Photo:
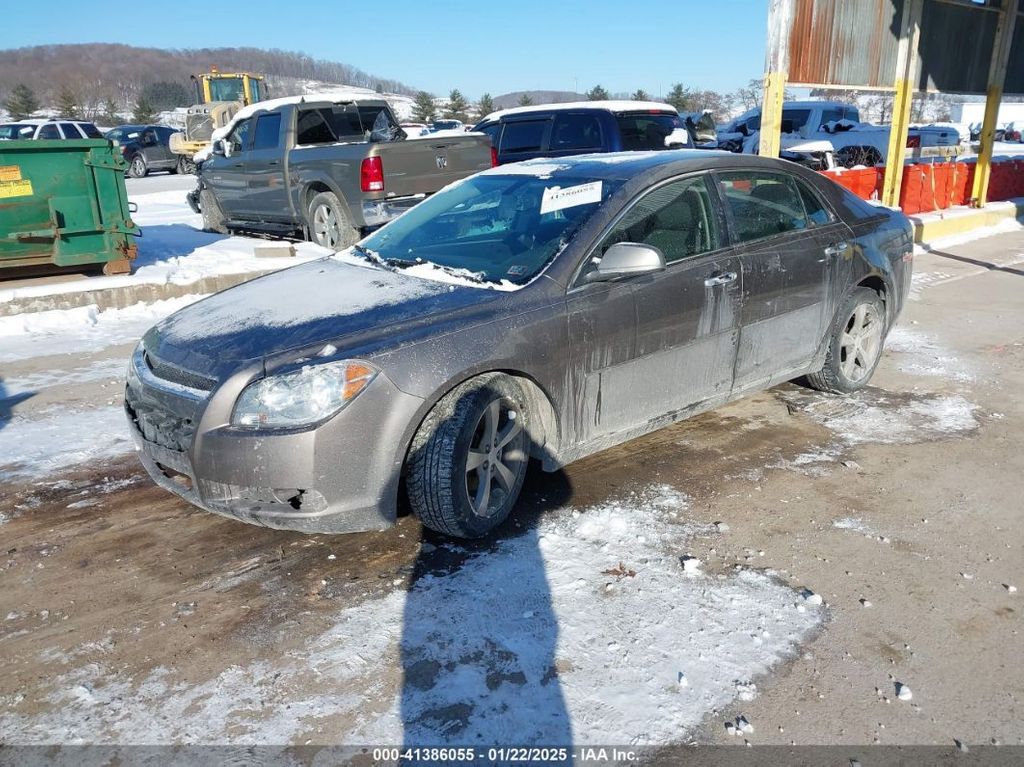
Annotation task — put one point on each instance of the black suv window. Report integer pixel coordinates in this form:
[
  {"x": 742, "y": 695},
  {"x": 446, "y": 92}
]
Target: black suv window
[
  {"x": 579, "y": 131},
  {"x": 794, "y": 119},
  {"x": 268, "y": 130},
  {"x": 49, "y": 131},
  {"x": 763, "y": 204},
  {"x": 678, "y": 219},
  {"x": 90, "y": 130},
  {"x": 642, "y": 131},
  {"x": 524, "y": 135}
]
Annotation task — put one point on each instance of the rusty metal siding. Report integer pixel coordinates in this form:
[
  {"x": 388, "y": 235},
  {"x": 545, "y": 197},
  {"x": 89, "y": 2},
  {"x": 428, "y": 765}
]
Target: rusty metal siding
[
  {"x": 854, "y": 43},
  {"x": 844, "y": 42}
]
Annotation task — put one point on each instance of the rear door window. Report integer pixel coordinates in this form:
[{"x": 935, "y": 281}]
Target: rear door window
[
  {"x": 90, "y": 130},
  {"x": 268, "y": 131},
  {"x": 70, "y": 130},
  {"x": 646, "y": 131},
  {"x": 524, "y": 135},
  {"x": 575, "y": 132},
  {"x": 794, "y": 119},
  {"x": 327, "y": 125},
  {"x": 49, "y": 131},
  {"x": 762, "y": 204}
]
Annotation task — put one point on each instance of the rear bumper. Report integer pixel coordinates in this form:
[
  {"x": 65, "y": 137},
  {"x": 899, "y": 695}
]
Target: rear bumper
[
  {"x": 341, "y": 476},
  {"x": 378, "y": 212}
]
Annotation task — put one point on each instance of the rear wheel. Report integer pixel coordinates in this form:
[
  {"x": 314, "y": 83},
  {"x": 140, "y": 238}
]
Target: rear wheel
[
  {"x": 137, "y": 166},
  {"x": 855, "y": 345},
  {"x": 329, "y": 225},
  {"x": 468, "y": 460}
]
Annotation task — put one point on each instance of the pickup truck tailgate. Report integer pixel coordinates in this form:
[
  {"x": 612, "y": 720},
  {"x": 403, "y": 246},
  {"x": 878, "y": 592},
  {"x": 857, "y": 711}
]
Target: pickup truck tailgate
[{"x": 425, "y": 165}]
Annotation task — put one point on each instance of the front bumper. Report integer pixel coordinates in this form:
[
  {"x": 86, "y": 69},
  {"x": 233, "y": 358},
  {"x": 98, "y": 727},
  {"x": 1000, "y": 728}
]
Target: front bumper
[{"x": 341, "y": 476}]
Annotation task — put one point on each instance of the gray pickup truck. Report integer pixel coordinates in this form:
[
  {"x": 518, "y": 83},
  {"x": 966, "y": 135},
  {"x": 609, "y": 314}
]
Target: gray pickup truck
[{"x": 328, "y": 169}]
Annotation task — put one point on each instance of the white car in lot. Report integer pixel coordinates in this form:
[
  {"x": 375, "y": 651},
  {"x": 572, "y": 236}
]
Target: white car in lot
[
  {"x": 812, "y": 130},
  {"x": 48, "y": 129}
]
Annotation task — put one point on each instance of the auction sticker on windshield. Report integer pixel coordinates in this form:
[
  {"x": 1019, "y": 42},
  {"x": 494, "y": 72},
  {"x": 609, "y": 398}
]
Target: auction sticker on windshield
[{"x": 556, "y": 198}]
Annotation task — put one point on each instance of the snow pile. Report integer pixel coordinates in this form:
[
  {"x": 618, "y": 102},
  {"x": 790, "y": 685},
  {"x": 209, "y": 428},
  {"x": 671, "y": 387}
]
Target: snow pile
[
  {"x": 920, "y": 354},
  {"x": 542, "y": 639}
]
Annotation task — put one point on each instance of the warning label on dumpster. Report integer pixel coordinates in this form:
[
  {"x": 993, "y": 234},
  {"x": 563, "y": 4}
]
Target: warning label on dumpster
[
  {"x": 10, "y": 173},
  {"x": 15, "y": 189}
]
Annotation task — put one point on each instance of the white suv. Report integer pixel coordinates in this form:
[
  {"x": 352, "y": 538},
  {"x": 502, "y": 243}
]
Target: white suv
[{"x": 48, "y": 129}]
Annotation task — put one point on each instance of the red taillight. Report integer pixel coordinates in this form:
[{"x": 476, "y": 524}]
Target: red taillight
[
  {"x": 494, "y": 157},
  {"x": 913, "y": 142},
  {"x": 371, "y": 175}
]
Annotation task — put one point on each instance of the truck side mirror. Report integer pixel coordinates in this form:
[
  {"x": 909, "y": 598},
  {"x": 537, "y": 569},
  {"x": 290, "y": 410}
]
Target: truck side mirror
[{"x": 218, "y": 148}]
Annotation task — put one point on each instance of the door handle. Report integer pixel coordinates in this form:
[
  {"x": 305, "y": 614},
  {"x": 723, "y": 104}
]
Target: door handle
[
  {"x": 837, "y": 249},
  {"x": 272, "y": 162},
  {"x": 720, "y": 279}
]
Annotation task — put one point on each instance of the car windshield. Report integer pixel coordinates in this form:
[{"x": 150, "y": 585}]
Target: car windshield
[{"x": 491, "y": 226}]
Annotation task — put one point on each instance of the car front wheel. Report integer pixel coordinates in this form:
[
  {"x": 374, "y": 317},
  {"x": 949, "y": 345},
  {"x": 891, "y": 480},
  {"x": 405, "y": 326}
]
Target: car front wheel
[
  {"x": 468, "y": 460},
  {"x": 855, "y": 344}
]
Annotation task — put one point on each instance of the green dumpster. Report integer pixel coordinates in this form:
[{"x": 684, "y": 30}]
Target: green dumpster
[{"x": 64, "y": 203}]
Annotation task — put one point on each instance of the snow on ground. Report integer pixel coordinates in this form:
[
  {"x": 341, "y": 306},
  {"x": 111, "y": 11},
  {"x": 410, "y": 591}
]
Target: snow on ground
[
  {"x": 52, "y": 440},
  {"x": 80, "y": 330},
  {"x": 920, "y": 354},
  {"x": 534, "y": 641},
  {"x": 111, "y": 370}
]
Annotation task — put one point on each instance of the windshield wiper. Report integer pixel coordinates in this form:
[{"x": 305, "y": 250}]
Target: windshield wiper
[{"x": 393, "y": 262}]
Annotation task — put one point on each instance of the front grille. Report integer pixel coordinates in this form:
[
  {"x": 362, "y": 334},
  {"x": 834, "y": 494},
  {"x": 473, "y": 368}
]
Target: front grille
[
  {"x": 159, "y": 425},
  {"x": 199, "y": 127},
  {"x": 178, "y": 375}
]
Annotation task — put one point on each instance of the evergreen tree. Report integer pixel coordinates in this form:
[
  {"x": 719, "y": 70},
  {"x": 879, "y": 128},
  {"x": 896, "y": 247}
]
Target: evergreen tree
[
  {"x": 143, "y": 112},
  {"x": 457, "y": 105},
  {"x": 640, "y": 95},
  {"x": 109, "y": 115},
  {"x": 22, "y": 102},
  {"x": 525, "y": 100},
  {"x": 167, "y": 95},
  {"x": 423, "y": 109},
  {"x": 683, "y": 99},
  {"x": 486, "y": 105},
  {"x": 67, "y": 103},
  {"x": 597, "y": 93}
]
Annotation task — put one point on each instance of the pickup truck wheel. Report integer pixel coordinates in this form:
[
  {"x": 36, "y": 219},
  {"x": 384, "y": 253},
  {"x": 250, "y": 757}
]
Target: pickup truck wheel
[
  {"x": 468, "y": 460},
  {"x": 328, "y": 223},
  {"x": 213, "y": 216},
  {"x": 855, "y": 345},
  {"x": 137, "y": 166}
]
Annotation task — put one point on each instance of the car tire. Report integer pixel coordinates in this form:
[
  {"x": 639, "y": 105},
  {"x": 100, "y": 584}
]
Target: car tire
[
  {"x": 329, "y": 224},
  {"x": 854, "y": 345},
  {"x": 452, "y": 477},
  {"x": 137, "y": 167},
  {"x": 213, "y": 216}
]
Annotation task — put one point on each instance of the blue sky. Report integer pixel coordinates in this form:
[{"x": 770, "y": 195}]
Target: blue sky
[{"x": 438, "y": 45}]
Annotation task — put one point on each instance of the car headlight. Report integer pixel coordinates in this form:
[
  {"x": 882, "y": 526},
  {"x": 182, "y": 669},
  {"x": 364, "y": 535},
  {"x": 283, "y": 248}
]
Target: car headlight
[{"x": 302, "y": 397}]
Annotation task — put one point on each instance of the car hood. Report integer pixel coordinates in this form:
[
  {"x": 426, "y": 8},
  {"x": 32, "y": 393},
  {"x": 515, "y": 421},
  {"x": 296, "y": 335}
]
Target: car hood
[{"x": 320, "y": 302}]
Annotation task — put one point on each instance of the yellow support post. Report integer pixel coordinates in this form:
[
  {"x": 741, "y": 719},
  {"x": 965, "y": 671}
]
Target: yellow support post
[
  {"x": 770, "y": 138},
  {"x": 910, "y": 32},
  {"x": 776, "y": 63},
  {"x": 994, "y": 95}
]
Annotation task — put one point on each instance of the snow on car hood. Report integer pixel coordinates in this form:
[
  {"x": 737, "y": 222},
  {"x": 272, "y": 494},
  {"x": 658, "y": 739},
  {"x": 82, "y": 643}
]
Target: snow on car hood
[{"x": 318, "y": 302}]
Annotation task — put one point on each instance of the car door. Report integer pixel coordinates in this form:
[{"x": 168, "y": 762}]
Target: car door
[
  {"x": 785, "y": 274},
  {"x": 685, "y": 320},
  {"x": 264, "y": 163},
  {"x": 225, "y": 174}
]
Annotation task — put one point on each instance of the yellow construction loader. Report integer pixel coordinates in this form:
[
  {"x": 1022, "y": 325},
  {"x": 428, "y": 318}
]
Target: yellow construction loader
[{"x": 219, "y": 95}]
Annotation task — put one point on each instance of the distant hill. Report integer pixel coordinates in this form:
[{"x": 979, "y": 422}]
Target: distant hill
[
  {"x": 506, "y": 100},
  {"x": 97, "y": 71}
]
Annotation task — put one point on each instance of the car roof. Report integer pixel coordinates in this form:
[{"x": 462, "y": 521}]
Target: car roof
[
  {"x": 625, "y": 165},
  {"x": 604, "y": 106}
]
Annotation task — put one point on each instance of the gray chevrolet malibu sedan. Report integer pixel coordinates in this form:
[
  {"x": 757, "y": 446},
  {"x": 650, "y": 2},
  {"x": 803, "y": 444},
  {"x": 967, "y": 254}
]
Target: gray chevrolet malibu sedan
[{"x": 548, "y": 310}]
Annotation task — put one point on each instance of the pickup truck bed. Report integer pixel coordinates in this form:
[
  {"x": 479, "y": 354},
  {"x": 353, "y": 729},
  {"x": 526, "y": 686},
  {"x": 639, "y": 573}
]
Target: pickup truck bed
[{"x": 328, "y": 169}]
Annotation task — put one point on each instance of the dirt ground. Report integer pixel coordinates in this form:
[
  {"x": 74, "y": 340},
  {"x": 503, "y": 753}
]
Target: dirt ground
[{"x": 901, "y": 508}]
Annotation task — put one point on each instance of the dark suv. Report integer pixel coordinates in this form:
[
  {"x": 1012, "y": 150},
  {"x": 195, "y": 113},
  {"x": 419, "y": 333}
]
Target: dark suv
[
  {"x": 146, "y": 148},
  {"x": 561, "y": 130}
]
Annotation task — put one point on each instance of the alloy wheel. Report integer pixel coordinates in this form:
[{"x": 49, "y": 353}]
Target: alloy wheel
[
  {"x": 497, "y": 454},
  {"x": 326, "y": 230},
  {"x": 861, "y": 342}
]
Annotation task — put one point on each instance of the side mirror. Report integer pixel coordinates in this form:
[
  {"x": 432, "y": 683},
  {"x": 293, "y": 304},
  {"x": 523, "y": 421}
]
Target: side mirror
[
  {"x": 218, "y": 148},
  {"x": 628, "y": 259}
]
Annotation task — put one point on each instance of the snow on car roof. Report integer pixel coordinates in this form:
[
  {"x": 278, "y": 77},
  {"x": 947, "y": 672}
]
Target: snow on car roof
[{"x": 611, "y": 106}]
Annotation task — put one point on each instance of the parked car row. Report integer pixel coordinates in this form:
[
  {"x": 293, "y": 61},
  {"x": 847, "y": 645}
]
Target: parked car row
[{"x": 48, "y": 130}]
